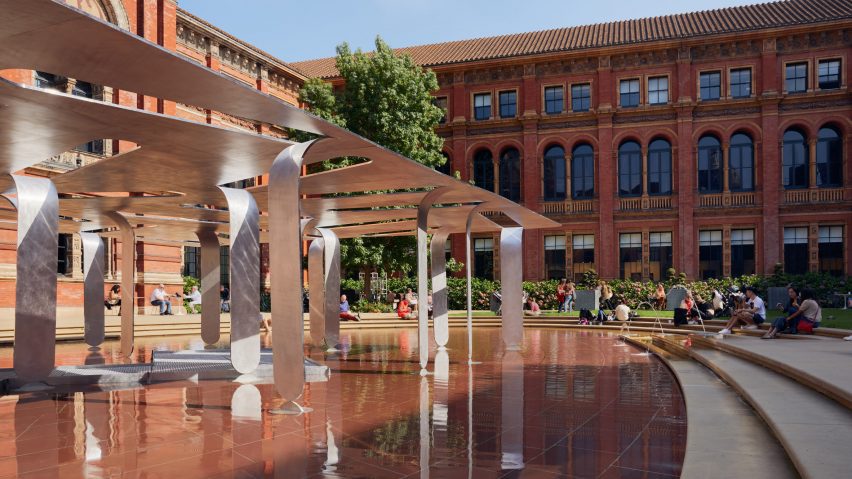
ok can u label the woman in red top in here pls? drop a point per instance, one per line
(403, 310)
(560, 294)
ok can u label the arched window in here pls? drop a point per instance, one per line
(660, 168)
(554, 173)
(794, 166)
(829, 158)
(483, 170)
(447, 167)
(583, 172)
(709, 165)
(741, 163)
(629, 169)
(510, 174)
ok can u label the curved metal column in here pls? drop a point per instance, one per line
(93, 288)
(512, 411)
(316, 286)
(331, 287)
(245, 279)
(422, 285)
(440, 315)
(511, 271)
(285, 254)
(210, 283)
(128, 281)
(35, 288)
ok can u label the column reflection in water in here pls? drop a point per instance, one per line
(440, 404)
(97, 417)
(425, 439)
(333, 422)
(512, 415)
(247, 427)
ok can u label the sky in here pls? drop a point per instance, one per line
(303, 30)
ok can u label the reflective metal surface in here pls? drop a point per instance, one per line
(440, 313)
(245, 280)
(511, 274)
(422, 267)
(331, 286)
(128, 280)
(316, 287)
(35, 289)
(93, 288)
(589, 410)
(208, 241)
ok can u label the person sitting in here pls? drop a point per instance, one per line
(705, 308)
(752, 316)
(224, 299)
(808, 312)
(660, 297)
(160, 298)
(403, 310)
(345, 313)
(429, 304)
(533, 308)
(265, 323)
(622, 311)
(114, 298)
(194, 300)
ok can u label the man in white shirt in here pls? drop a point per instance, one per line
(752, 316)
(160, 298)
(194, 298)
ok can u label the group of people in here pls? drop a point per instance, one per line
(159, 297)
(565, 294)
(801, 313)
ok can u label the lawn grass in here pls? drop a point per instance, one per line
(837, 318)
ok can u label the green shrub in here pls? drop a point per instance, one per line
(189, 282)
(364, 306)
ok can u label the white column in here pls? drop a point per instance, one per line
(511, 273)
(440, 314)
(422, 283)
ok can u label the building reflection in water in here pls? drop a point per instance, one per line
(570, 404)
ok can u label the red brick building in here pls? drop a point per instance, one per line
(714, 143)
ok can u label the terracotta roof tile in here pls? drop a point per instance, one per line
(709, 22)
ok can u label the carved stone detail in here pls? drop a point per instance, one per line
(568, 124)
(496, 130)
(638, 59)
(575, 65)
(807, 41)
(495, 74)
(622, 119)
(726, 50)
(726, 112)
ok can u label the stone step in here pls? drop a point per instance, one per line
(815, 431)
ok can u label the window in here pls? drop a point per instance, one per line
(242, 184)
(448, 250)
(225, 266)
(482, 106)
(581, 97)
(658, 90)
(659, 168)
(829, 158)
(709, 165)
(64, 263)
(742, 252)
(797, 77)
(794, 166)
(583, 256)
(191, 261)
(796, 250)
(483, 258)
(583, 172)
(710, 254)
(629, 169)
(83, 89)
(447, 167)
(554, 174)
(483, 170)
(741, 83)
(630, 252)
(508, 104)
(660, 255)
(831, 250)
(829, 74)
(49, 81)
(553, 100)
(441, 102)
(741, 163)
(629, 90)
(554, 256)
(510, 174)
(710, 86)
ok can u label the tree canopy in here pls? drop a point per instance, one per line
(386, 98)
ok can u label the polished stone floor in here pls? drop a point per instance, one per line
(571, 404)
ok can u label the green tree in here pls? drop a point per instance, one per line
(386, 98)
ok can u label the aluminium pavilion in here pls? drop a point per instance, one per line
(136, 195)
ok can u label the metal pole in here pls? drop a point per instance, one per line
(440, 316)
(210, 283)
(93, 289)
(422, 286)
(128, 281)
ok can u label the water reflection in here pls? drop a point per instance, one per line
(570, 404)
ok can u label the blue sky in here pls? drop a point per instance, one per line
(302, 30)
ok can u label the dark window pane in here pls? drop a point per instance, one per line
(630, 255)
(795, 250)
(482, 106)
(829, 74)
(741, 167)
(741, 83)
(510, 174)
(447, 167)
(508, 104)
(659, 168)
(710, 84)
(709, 165)
(583, 173)
(630, 169)
(483, 170)
(797, 77)
(553, 99)
(629, 91)
(581, 97)
(794, 166)
(554, 174)
(658, 90)
(829, 158)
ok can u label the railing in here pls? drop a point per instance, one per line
(645, 203)
(727, 200)
(566, 207)
(813, 195)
